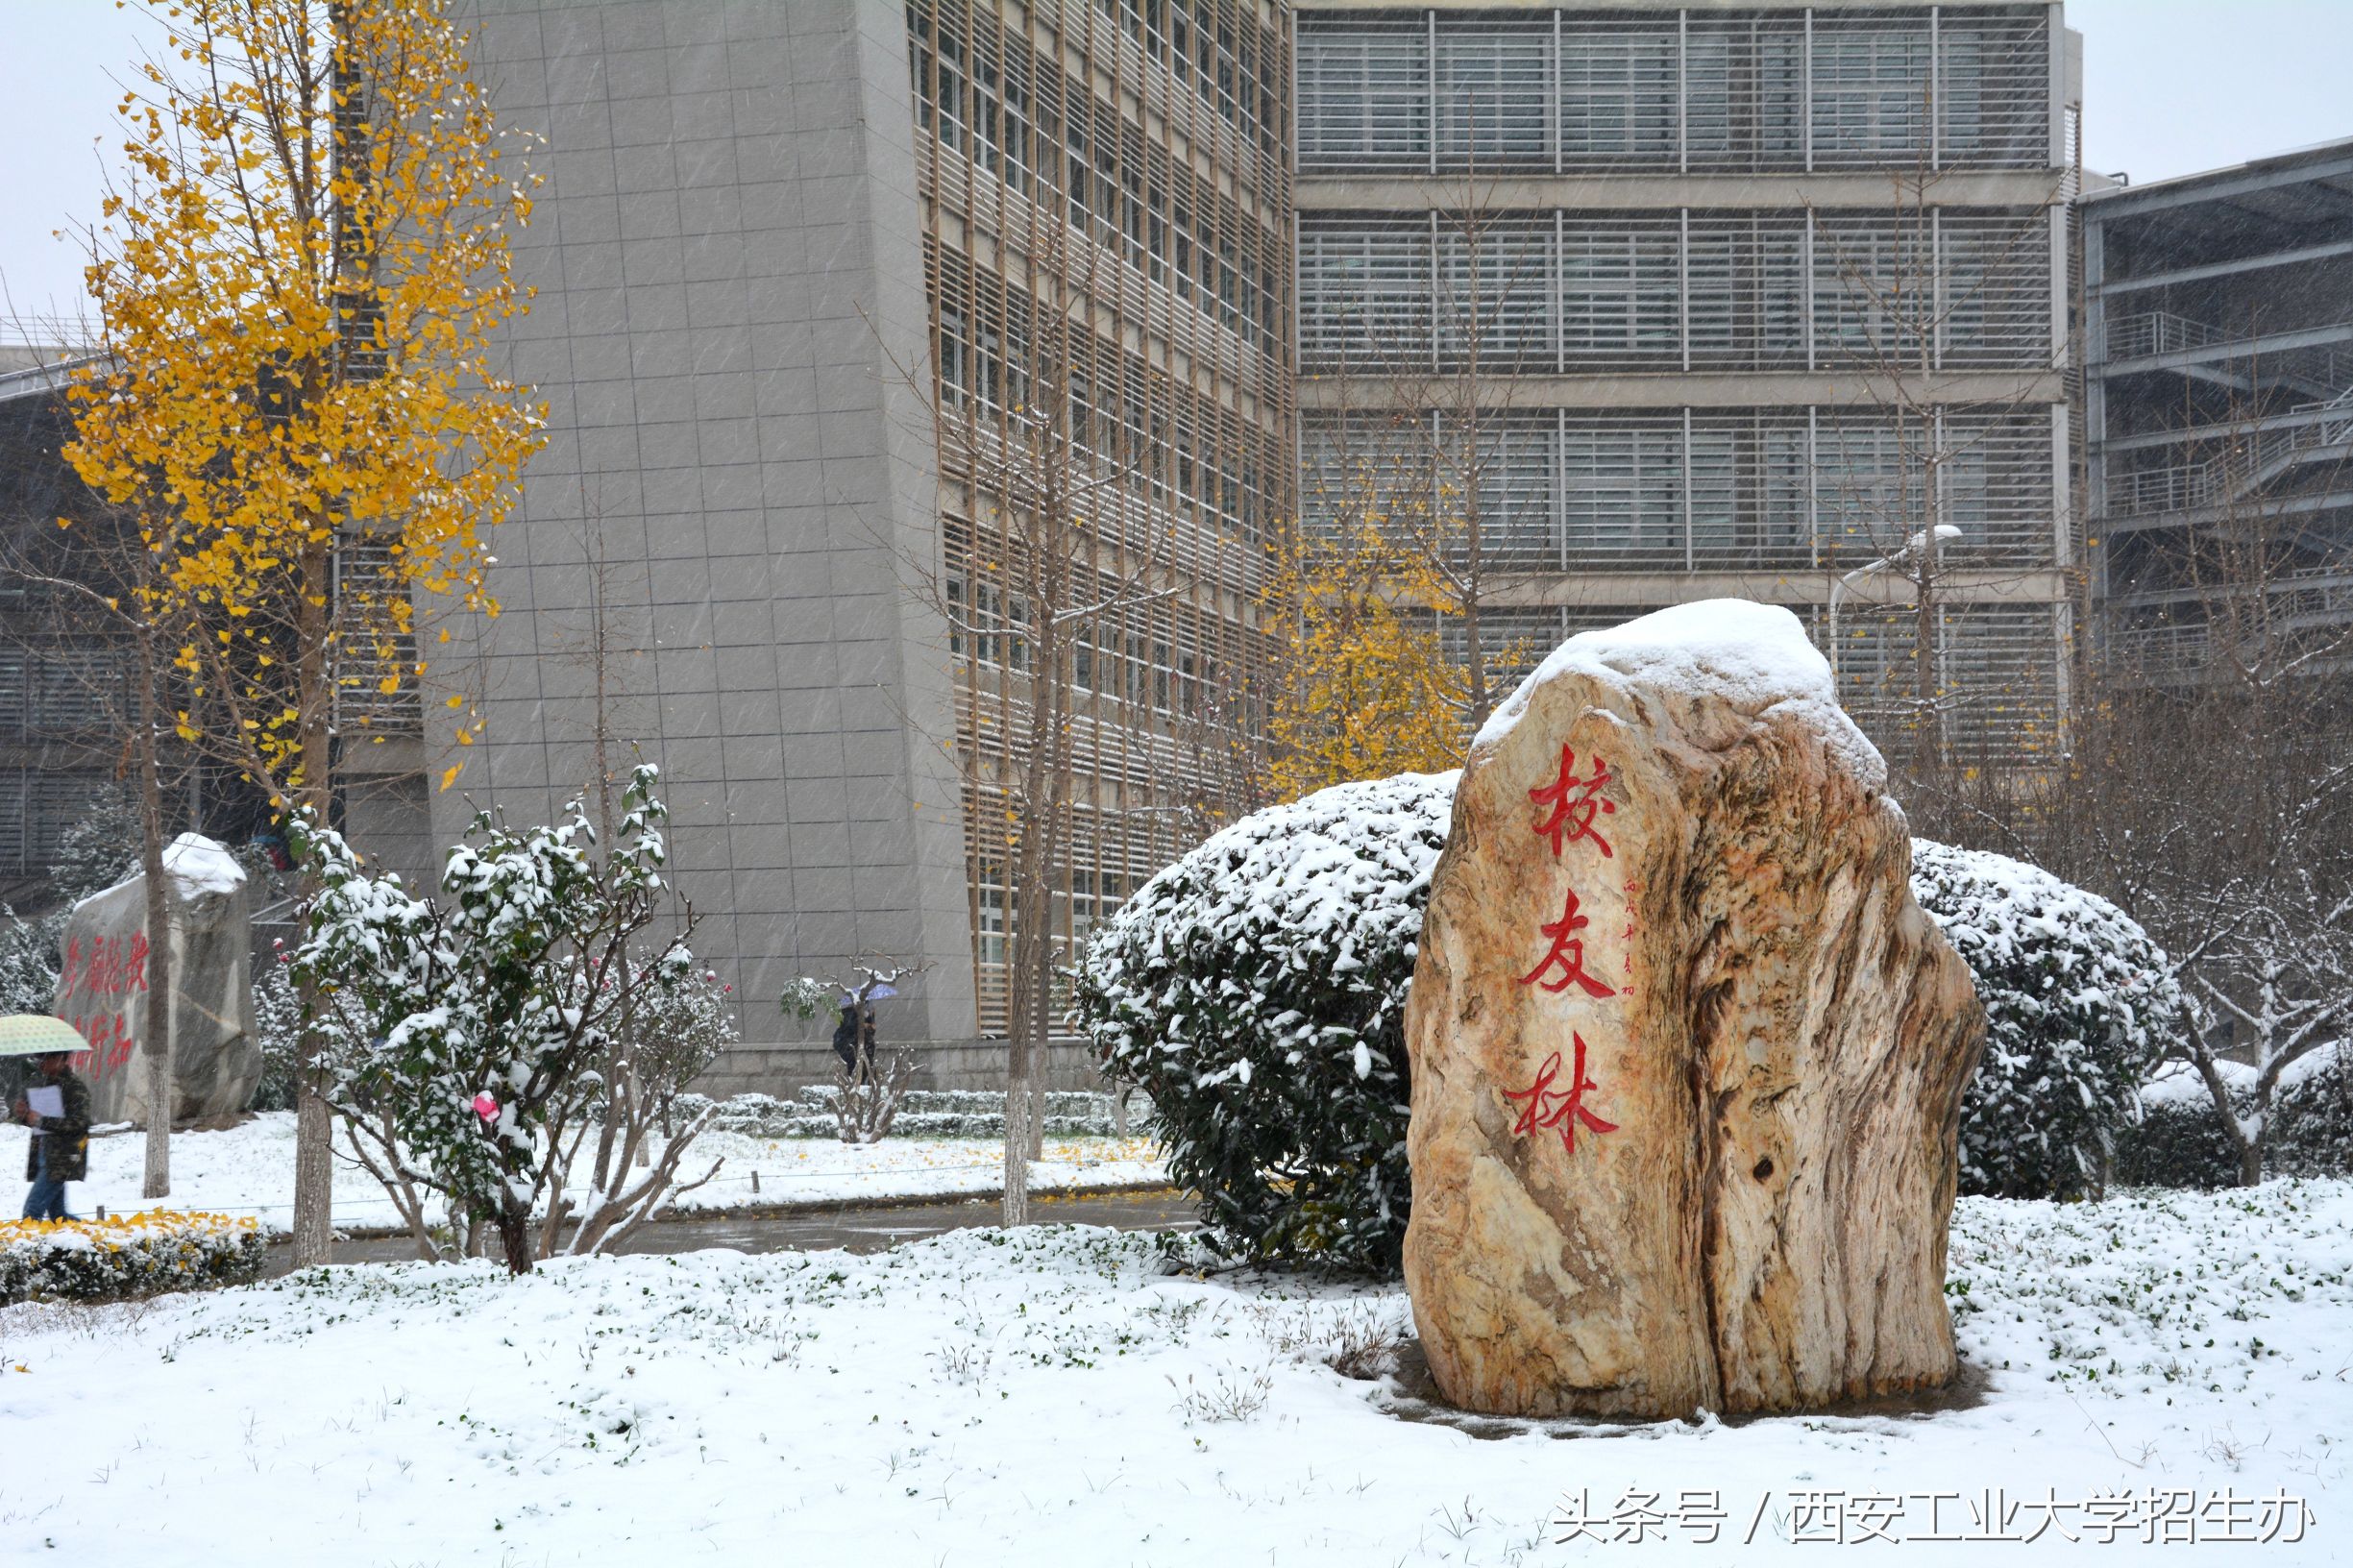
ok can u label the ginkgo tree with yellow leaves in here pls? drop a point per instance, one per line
(1362, 688)
(299, 272)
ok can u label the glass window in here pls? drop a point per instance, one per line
(1491, 96)
(1618, 94)
(1363, 95)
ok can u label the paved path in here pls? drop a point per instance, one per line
(851, 1226)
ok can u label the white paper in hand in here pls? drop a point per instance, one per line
(46, 1100)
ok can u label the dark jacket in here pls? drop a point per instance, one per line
(66, 1137)
(853, 1035)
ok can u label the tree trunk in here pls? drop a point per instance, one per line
(515, 1233)
(2250, 1163)
(156, 1030)
(314, 1233)
(1016, 1128)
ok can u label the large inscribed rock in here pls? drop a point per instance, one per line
(1687, 1058)
(102, 989)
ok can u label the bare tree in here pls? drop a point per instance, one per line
(110, 573)
(867, 1090)
(2209, 789)
(1048, 558)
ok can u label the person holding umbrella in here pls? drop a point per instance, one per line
(57, 1108)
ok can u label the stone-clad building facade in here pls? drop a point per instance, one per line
(766, 231)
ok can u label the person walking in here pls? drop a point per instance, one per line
(853, 1039)
(57, 1110)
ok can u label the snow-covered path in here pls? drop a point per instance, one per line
(249, 1170)
(1051, 1398)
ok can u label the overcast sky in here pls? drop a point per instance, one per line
(2172, 86)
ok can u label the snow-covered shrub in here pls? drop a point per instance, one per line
(475, 1023)
(278, 1019)
(99, 848)
(2178, 1140)
(28, 962)
(2078, 1004)
(109, 1259)
(2312, 1116)
(1254, 990)
(680, 1017)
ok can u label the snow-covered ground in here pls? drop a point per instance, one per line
(2155, 1365)
(249, 1170)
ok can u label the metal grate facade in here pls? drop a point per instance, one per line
(1123, 164)
(1675, 90)
(1573, 293)
(1708, 302)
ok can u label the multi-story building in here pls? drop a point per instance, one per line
(61, 680)
(1671, 304)
(792, 262)
(2220, 403)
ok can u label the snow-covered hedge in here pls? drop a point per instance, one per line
(2312, 1130)
(2078, 1008)
(109, 1259)
(2180, 1142)
(2177, 1139)
(925, 1112)
(1254, 990)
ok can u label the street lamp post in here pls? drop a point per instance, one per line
(1919, 542)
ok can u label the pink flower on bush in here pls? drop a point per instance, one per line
(485, 1107)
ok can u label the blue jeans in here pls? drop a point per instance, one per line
(47, 1199)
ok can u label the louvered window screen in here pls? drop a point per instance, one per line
(1579, 293)
(1490, 96)
(1618, 92)
(1761, 489)
(1364, 95)
(1671, 88)
(1496, 296)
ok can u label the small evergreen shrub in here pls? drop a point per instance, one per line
(2180, 1140)
(138, 1255)
(2312, 1116)
(2078, 1008)
(1254, 990)
(2177, 1139)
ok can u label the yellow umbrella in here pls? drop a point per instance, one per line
(36, 1034)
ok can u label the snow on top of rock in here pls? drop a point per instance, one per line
(1754, 656)
(201, 867)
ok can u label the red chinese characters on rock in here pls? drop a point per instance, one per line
(100, 976)
(1560, 1108)
(1574, 804)
(1568, 956)
(1572, 808)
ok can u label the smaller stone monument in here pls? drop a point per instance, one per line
(1687, 1058)
(101, 991)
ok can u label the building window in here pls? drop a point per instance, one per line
(1870, 89)
(1619, 287)
(1492, 86)
(1619, 91)
(1363, 96)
